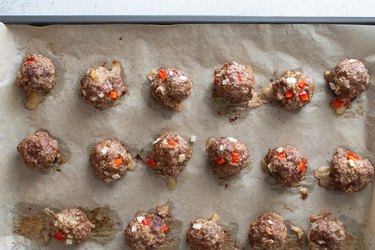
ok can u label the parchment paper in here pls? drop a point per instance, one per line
(198, 50)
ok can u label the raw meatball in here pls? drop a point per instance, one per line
(350, 173)
(71, 226)
(206, 234)
(227, 156)
(294, 90)
(148, 231)
(37, 74)
(348, 79)
(286, 165)
(40, 151)
(170, 154)
(268, 231)
(36, 77)
(326, 233)
(170, 87)
(234, 82)
(110, 160)
(101, 87)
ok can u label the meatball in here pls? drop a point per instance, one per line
(101, 87)
(286, 165)
(348, 79)
(36, 78)
(206, 234)
(234, 82)
(40, 151)
(294, 90)
(110, 160)
(147, 230)
(268, 231)
(170, 87)
(326, 233)
(227, 156)
(71, 226)
(170, 154)
(350, 173)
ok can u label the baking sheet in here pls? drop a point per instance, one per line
(179, 19)
(198, 50)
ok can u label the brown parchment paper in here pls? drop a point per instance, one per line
(198, 50)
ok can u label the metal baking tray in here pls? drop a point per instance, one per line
(173, 19)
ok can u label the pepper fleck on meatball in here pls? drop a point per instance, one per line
(101, 87)
(70, 226)
(347, 81)
(40, 151)
(110, 160)
(286, 165)
(227, 156)
(147, 230)
(350, 173)
(170, 87)
(268, 232)
(234, 82)
(36, 77)
(294, 90)
(170, 154)
(326, 233)
(206, 234)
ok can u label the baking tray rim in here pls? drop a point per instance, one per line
(176, 19)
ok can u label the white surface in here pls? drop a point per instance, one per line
(336, 8)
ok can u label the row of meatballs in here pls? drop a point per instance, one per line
(153, 230)
(227, 156)
(233, 83)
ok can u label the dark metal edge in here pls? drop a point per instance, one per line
(134, 19)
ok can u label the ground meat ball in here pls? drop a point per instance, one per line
(350, 173)
(227, 156)
(170, 154)
(147, 231)
(348, 79)
(36, 77)
(234, 82)
(326, 233)
(268, 231)
(101, 87)
(37, 74)
(294, 90)
(110, 160)
(286, 165)
(206, 234)
(170, 87)
(39, 151)
(71, 226)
